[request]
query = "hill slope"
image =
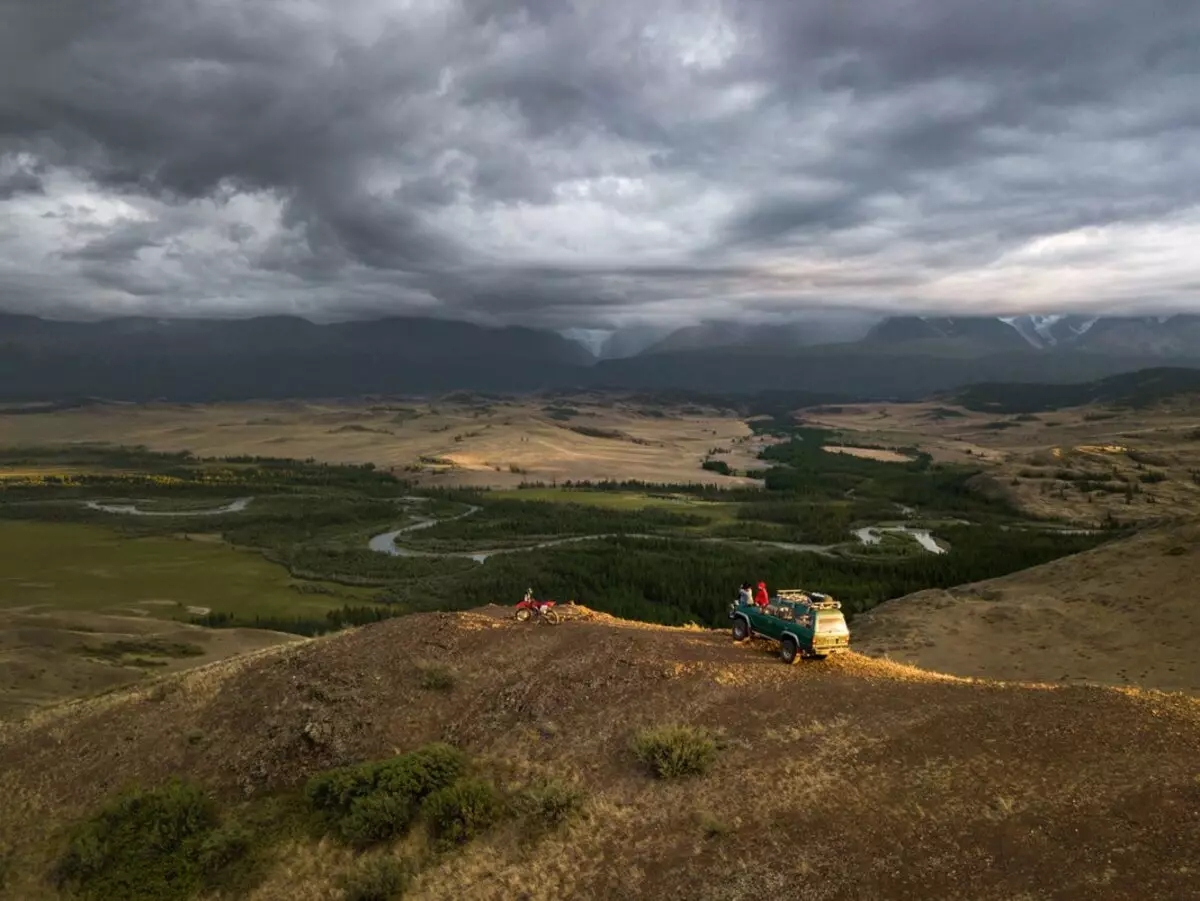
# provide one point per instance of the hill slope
(1138, 389)
(853, 778)
(1124, 613)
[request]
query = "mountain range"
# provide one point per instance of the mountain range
(1165, 336)
(844, 353)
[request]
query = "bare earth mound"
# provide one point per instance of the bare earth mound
(1126, 613)
(848, 779)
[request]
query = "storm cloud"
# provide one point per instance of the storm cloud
(594, 164)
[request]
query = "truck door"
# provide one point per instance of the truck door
(768, 625)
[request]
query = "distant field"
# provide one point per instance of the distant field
(483, 444)
(870, 453)
(70, 593)
(1083, 464)
(48, 656)
(621, 500)
(65, 566)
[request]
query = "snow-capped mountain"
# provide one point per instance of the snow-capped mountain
(1172, 336)
(1051, 331)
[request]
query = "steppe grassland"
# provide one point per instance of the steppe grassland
(477, 443)
(1078, 464)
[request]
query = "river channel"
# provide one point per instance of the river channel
(385, 543)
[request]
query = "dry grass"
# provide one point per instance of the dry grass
(868, 453)
(898, 785)
(1123, 614)
(1027, 457)
(48, 656)
(500, 445)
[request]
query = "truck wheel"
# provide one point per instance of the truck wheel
(789, 651)
(741, 629)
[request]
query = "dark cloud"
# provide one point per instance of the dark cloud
(19, 176)
(585, 163)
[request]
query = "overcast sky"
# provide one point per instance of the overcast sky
(560, 163)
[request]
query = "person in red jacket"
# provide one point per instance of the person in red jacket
(760, 596)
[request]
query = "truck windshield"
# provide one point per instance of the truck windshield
(831, 621)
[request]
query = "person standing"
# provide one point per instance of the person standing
(745, 597)
(760, 596)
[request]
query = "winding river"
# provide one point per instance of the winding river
(385, 543)
(236, 506)
(923, 537)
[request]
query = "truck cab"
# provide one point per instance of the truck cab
(806, 624)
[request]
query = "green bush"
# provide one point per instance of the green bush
(373, 802)
(672, 751)
(223, 847)
(549, 804)
(435, 677)
(156, 845)
(378, 879)
(459, 812)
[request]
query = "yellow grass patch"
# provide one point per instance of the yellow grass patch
(869, 453)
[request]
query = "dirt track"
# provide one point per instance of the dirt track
(847, 779)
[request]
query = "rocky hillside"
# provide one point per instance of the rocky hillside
(850, 778)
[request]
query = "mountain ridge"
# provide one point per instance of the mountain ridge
(270, 357)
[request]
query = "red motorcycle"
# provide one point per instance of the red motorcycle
(540, 611)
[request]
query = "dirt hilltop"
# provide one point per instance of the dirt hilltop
(1125, 613)
(852, 778)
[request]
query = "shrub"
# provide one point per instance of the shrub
(459, 812)
(373, 802)
(378, 879)
(435, 677)
(550, 803)
(223, 847)
(156, 845)
(377, 818)
(712, 825)
(672, 751)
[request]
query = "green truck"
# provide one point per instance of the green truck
(805, 623)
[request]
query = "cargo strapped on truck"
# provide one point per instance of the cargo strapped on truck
(809, 598)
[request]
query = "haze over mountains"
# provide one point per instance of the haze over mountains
(844, 354)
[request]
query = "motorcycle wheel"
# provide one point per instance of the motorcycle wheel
(551, 616)
(523, 615)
